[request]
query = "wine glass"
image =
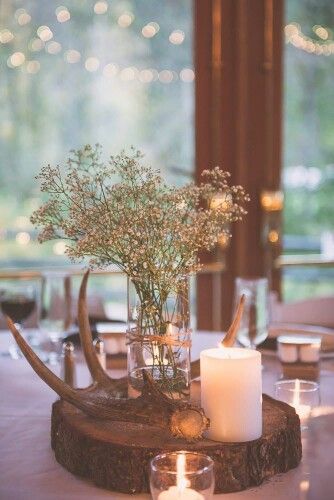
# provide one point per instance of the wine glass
(254, 322)
(55, 318)
(18, 301)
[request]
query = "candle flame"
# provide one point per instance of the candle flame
(296, 394)
(181, 482)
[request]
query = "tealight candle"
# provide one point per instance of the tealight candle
(231, 393)
(303, 395)
(302, 410)
(181, 491)
(181, 475)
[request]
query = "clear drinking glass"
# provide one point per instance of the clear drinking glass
(18, 300)
(303, 395)
(182, 475)
(255, 319)
(55, 316)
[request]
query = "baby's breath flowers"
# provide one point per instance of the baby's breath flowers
(121, 212)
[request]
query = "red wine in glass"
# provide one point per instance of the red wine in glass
(17, 307)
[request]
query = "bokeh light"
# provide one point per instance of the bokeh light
(53, 47)
(44, 33)
(22, 238)
(150, 30)
(16, 59)
(63, 14)
(72, 56)
(33, 67)
(101, 7)
(6, 36)
(110, 70)
(125, 20)
(92, 64)
(177, 37)
(187, 75)
(59, 248)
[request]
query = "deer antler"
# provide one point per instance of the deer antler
(99, 401)
(229, 338)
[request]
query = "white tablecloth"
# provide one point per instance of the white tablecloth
(28, 469)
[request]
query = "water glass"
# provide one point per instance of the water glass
(55, 317)
(255, 319)
(182, 475)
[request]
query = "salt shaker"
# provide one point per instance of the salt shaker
(68, 364)
(99, 349)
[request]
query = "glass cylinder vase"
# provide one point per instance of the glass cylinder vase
(159, 339)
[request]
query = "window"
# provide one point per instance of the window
(119, 73)
(308, 145)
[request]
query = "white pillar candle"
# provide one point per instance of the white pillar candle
(309, 353)
(231, 393)
(287, 353)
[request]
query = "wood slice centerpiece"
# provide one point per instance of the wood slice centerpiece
(116, 455)
(100, 434)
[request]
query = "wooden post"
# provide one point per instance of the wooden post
(238, 126)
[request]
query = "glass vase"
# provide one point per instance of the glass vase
(159, 339)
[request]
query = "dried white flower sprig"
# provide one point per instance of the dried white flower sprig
(121, 212)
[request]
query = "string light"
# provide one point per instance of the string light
(101, 7)
(321, 32)
(146, 76)
(177, 37)
(125, 20)
(128, 74)
(63, 14)
(22, 238)
(16, 59)
(110, 70)
(295, 37)
(72, 56)
(6, 36)
(165, 76)
(150, 30)
(92, 64)
(22, 17)
(187, 75)
(53, 47)
(33, 67)
(35, 45)
(44, 33)
(59, 248)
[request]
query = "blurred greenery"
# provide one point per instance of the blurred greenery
(308, 173)
(63, 106)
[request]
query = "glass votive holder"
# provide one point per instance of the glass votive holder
(182, 475)
(299, 356)
(303, 395)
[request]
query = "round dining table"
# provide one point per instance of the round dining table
(29, 470)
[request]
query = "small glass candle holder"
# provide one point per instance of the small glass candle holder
(303, 395)
(181, 475)
(299, 355)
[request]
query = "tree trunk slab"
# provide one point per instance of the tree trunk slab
(116, 455)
